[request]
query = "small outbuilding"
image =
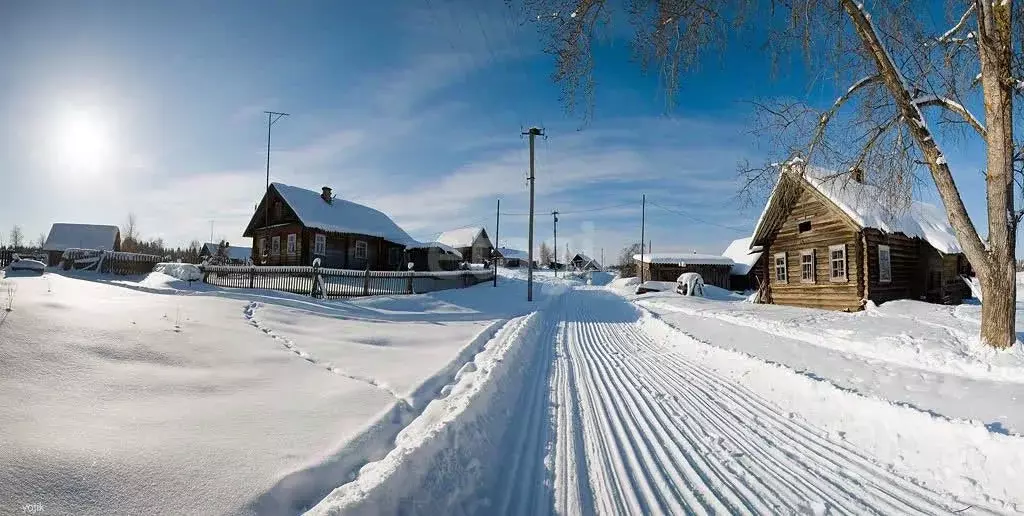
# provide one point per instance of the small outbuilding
(746, 272)
(472, 242)
(64, 236)
(715, 269)
(511, 258)
(234, 254)
(584, 263)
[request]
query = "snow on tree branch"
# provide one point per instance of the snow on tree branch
(954, 106)
(948, 36)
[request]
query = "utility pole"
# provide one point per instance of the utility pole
(497, 225)
(554, 215)
(272, 116)
(643, 222)
(602, 259)
(533, 132)
(211, 231)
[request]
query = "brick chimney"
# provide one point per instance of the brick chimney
(326, 194)
(857, 174)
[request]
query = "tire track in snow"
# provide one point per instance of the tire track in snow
(636, 427)
(250, 315)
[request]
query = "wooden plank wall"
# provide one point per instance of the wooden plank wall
(717, 275)
(828, 227)
(905, 266)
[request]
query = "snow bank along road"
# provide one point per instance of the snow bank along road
(617, 413)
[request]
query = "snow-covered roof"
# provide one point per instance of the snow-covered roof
(866, 206)
(439, 245)
(684, 259)
(739, 251)
(234, 252)
(82, 236)
(341, 216)
(513, 253)
(461, 237)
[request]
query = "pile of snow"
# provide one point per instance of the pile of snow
(656, 286)
(690, 284)
(182, 271)
(27, 265)
(740, 252)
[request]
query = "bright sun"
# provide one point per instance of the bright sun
(83, 141)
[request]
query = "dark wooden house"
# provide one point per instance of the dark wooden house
(715, 270)
(64, 236)
(294, 226)
(472, 242)
(831, 241)
(582, 262)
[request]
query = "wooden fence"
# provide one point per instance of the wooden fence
(333, 283)
(6, 257)
(109, 262)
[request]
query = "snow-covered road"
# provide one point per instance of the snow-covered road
(637, 428)
(617, 413)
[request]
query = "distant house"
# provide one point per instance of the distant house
(472, 242)
(65, 236)
(512, 258)
(715, 270)
(433, 256)
(582, 262)
(294, 226)
(745, 273)
(235, 254)
(832, 241)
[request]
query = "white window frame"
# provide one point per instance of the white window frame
(784, 277)
(320, 244)
(275, 245)
(804, 277)
(361, 245)
(292, 239)
(262, 246)
(832, 264)
(884, 273)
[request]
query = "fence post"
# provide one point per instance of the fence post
(366, 281)
(252, 277)
(408, 286)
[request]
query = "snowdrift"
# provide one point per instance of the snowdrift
(182, 271)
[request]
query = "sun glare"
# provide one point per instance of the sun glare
(82, 141)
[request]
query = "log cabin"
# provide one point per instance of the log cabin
(294, 226)
(746, 272)
(832, 241)
(583, 263)
(714, 269)
(472, 242)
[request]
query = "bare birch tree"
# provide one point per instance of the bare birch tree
(894, 66)
(130, 233)
(17, 237)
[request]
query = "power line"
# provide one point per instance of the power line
(571, 212)
(698, 219)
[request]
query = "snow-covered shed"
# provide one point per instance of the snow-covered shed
(235, 254)
(65, 236)
(832, 240)
(509, 257)
(743, 273)
(472, 242)
(713, 268)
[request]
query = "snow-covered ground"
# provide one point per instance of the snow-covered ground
(211, 401)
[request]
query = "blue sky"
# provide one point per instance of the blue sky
(413, 107)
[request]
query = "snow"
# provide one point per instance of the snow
(691, 284)
(461, 237)
(341, 216)
(595, 406)
(25, 264)
(513, 253)
(236, 253)
(683, 259)
(84, 236)
(181, 271)
(218, 401)
(740, 251)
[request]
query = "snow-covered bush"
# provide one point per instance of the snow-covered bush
(690, 284)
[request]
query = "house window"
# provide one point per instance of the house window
(780, 268)
(807, 266)
(884, 264)
(291, 243)
(262, 246)
(804, 226)
(360, 250)
(275, 245)
(394, 255)
(320, 244)
(837, 263)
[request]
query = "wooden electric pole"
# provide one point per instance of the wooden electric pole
(272, 116)
(643, 222)
(533, 132)
(554, 216)
(494, 255)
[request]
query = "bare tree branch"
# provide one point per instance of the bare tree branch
(948, 36)
(956, 107)
(827, 116)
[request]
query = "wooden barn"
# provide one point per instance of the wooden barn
(294, 226)
(65, 236)
(746, 273)
(714, 269)
(830, 241)
(582, 262)
(472, 242)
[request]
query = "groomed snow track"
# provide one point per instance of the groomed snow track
(636, 428)
(609, 419)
